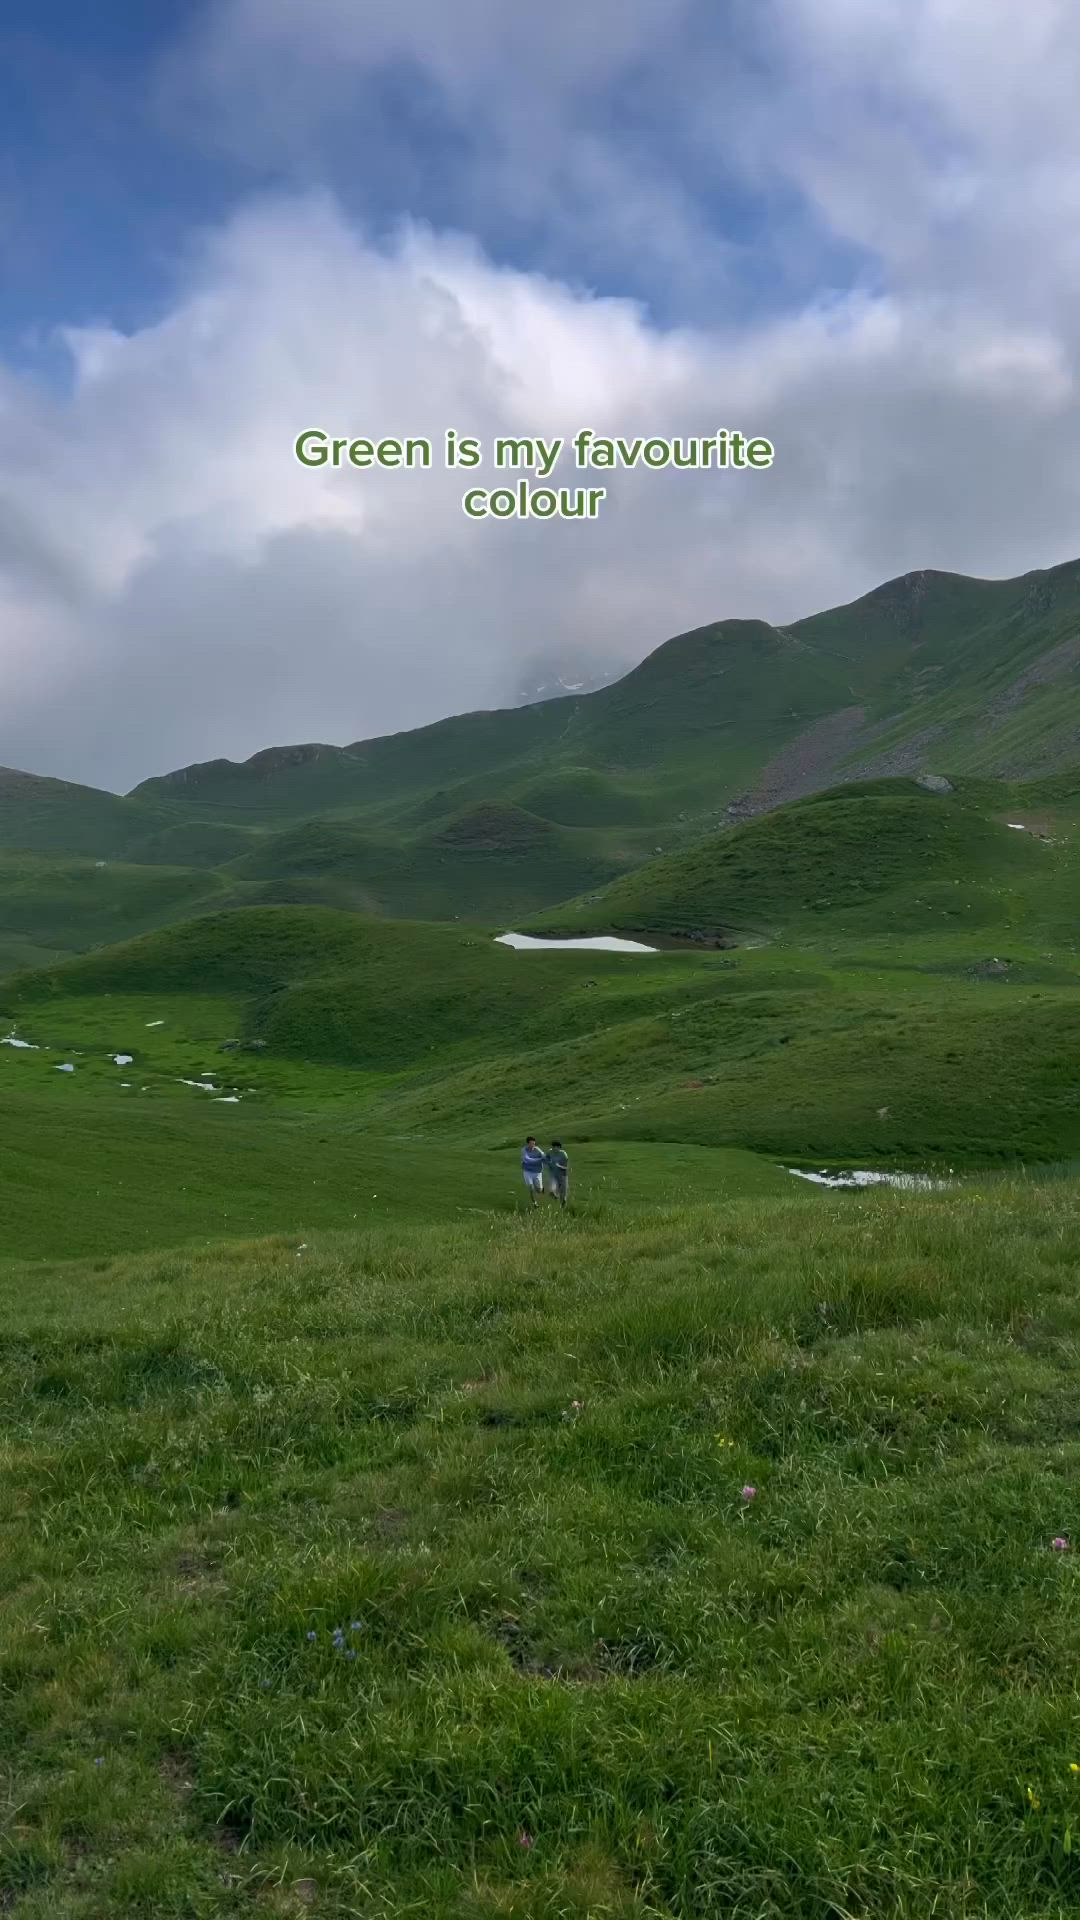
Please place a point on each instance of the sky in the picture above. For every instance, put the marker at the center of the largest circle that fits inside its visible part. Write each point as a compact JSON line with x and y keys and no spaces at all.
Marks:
{"x":849,"y":226}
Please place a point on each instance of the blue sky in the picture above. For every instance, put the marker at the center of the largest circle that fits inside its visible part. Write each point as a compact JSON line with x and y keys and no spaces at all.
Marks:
{"x":848,"y":224}
{"x":108,"y":165}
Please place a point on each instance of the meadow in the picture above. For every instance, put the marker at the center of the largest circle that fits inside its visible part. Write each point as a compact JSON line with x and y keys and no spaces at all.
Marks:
{"x":374,"y":1545}
{"x":710,"y":1561}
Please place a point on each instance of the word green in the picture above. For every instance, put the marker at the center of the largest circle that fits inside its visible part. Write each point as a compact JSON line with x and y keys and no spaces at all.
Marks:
{"x":316,"y":449}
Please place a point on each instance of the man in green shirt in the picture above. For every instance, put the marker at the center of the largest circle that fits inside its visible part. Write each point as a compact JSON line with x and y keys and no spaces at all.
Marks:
{"x":558,"y":1172}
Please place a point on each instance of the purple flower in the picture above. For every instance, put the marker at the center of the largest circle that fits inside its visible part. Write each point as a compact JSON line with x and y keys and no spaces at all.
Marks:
{"x":313,"y":1635}
{"x":1059,"y":1543}
{"x":100,"y":1762}
{"x":749,"y":1493}
{"x":350,"y":1653}
{"x":525,"y":1839}
{"x":356,"y":1626}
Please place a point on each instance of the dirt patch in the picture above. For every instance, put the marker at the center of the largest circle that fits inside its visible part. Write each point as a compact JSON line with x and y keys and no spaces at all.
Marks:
{"x":197,"y":1571}
{"x":175,"y":1771}
{"x":390,"y":1524}
{"x":604,"y":1662}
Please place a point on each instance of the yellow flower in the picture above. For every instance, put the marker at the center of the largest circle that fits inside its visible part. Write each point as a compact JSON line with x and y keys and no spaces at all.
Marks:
{"x":1073,"y":1768}
{"x":1034,"y":1798}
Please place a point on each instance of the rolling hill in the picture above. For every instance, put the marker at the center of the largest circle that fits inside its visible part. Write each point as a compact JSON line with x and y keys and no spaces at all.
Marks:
{"x":885,"y":857}
{"x":901,"y":961}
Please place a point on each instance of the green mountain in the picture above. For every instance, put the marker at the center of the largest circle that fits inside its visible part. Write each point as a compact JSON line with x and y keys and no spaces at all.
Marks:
{"x":504,"y":815}
{"x":930,"y":669}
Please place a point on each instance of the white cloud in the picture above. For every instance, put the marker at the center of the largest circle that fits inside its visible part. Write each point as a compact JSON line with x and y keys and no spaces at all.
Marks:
{"x":185,"y":589}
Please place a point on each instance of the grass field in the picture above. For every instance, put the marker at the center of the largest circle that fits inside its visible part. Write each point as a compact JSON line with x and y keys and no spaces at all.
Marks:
{"x":412,"y":1575}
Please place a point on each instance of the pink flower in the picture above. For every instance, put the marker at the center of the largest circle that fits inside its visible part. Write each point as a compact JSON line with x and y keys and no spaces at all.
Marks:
{"x":1059,"y":1543}
{"x":525,"y":1839}
{"x":749,"y":1493}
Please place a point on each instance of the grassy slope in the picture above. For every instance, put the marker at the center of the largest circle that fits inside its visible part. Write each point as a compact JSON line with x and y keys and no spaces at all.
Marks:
{"x":60,"y":906}
{"x":966,"y":663}
{"x":505,"y":1458}
{"x":38,"y":815}
{"x":888,"y":858}
{"x":491,"y":861}
{"x":862,"y":1047}
{"x":737,"y":689}
{"x":99,"y":1172}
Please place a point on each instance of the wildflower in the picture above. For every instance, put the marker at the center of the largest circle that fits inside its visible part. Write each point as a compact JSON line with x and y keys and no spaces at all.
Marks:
{"x":265,"y":1685}
{"x":350,"y":1653}
{"x":525,"y":1839}
{"x":1073,"y":1768}
{"x":356,"y":1626}
{"x":1059,"y":1543}
{"x":723,"y":1441}
{"x":313,"y":1635}
{"x":749,"y":1493}
{"x":1033,"y":1799}
{"x":100,"y":1762}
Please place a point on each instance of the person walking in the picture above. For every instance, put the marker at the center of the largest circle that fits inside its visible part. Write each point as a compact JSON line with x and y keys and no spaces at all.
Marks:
{"x":533,"y":1161}
{"x":558,"y":1171}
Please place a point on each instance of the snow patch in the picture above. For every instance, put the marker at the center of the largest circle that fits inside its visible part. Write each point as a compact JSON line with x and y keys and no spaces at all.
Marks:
{"x":227,"y":1100}
{"x":603,"y":943}
{"x":11,"y":1041}
{"x":907,"y":1182}
{"x":123,"y":1059}
{"x":67,"y":1068}
{"x":205,"y":1086}
{"x":155,"y":1023}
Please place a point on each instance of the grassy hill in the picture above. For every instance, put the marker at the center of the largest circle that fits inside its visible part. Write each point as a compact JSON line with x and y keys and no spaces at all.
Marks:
{"x":490,"y":861}
{"x":52,"y":816}
{"x":51,"y":906}
{"x":885,"y":858}
{"x":892,"y":1030}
